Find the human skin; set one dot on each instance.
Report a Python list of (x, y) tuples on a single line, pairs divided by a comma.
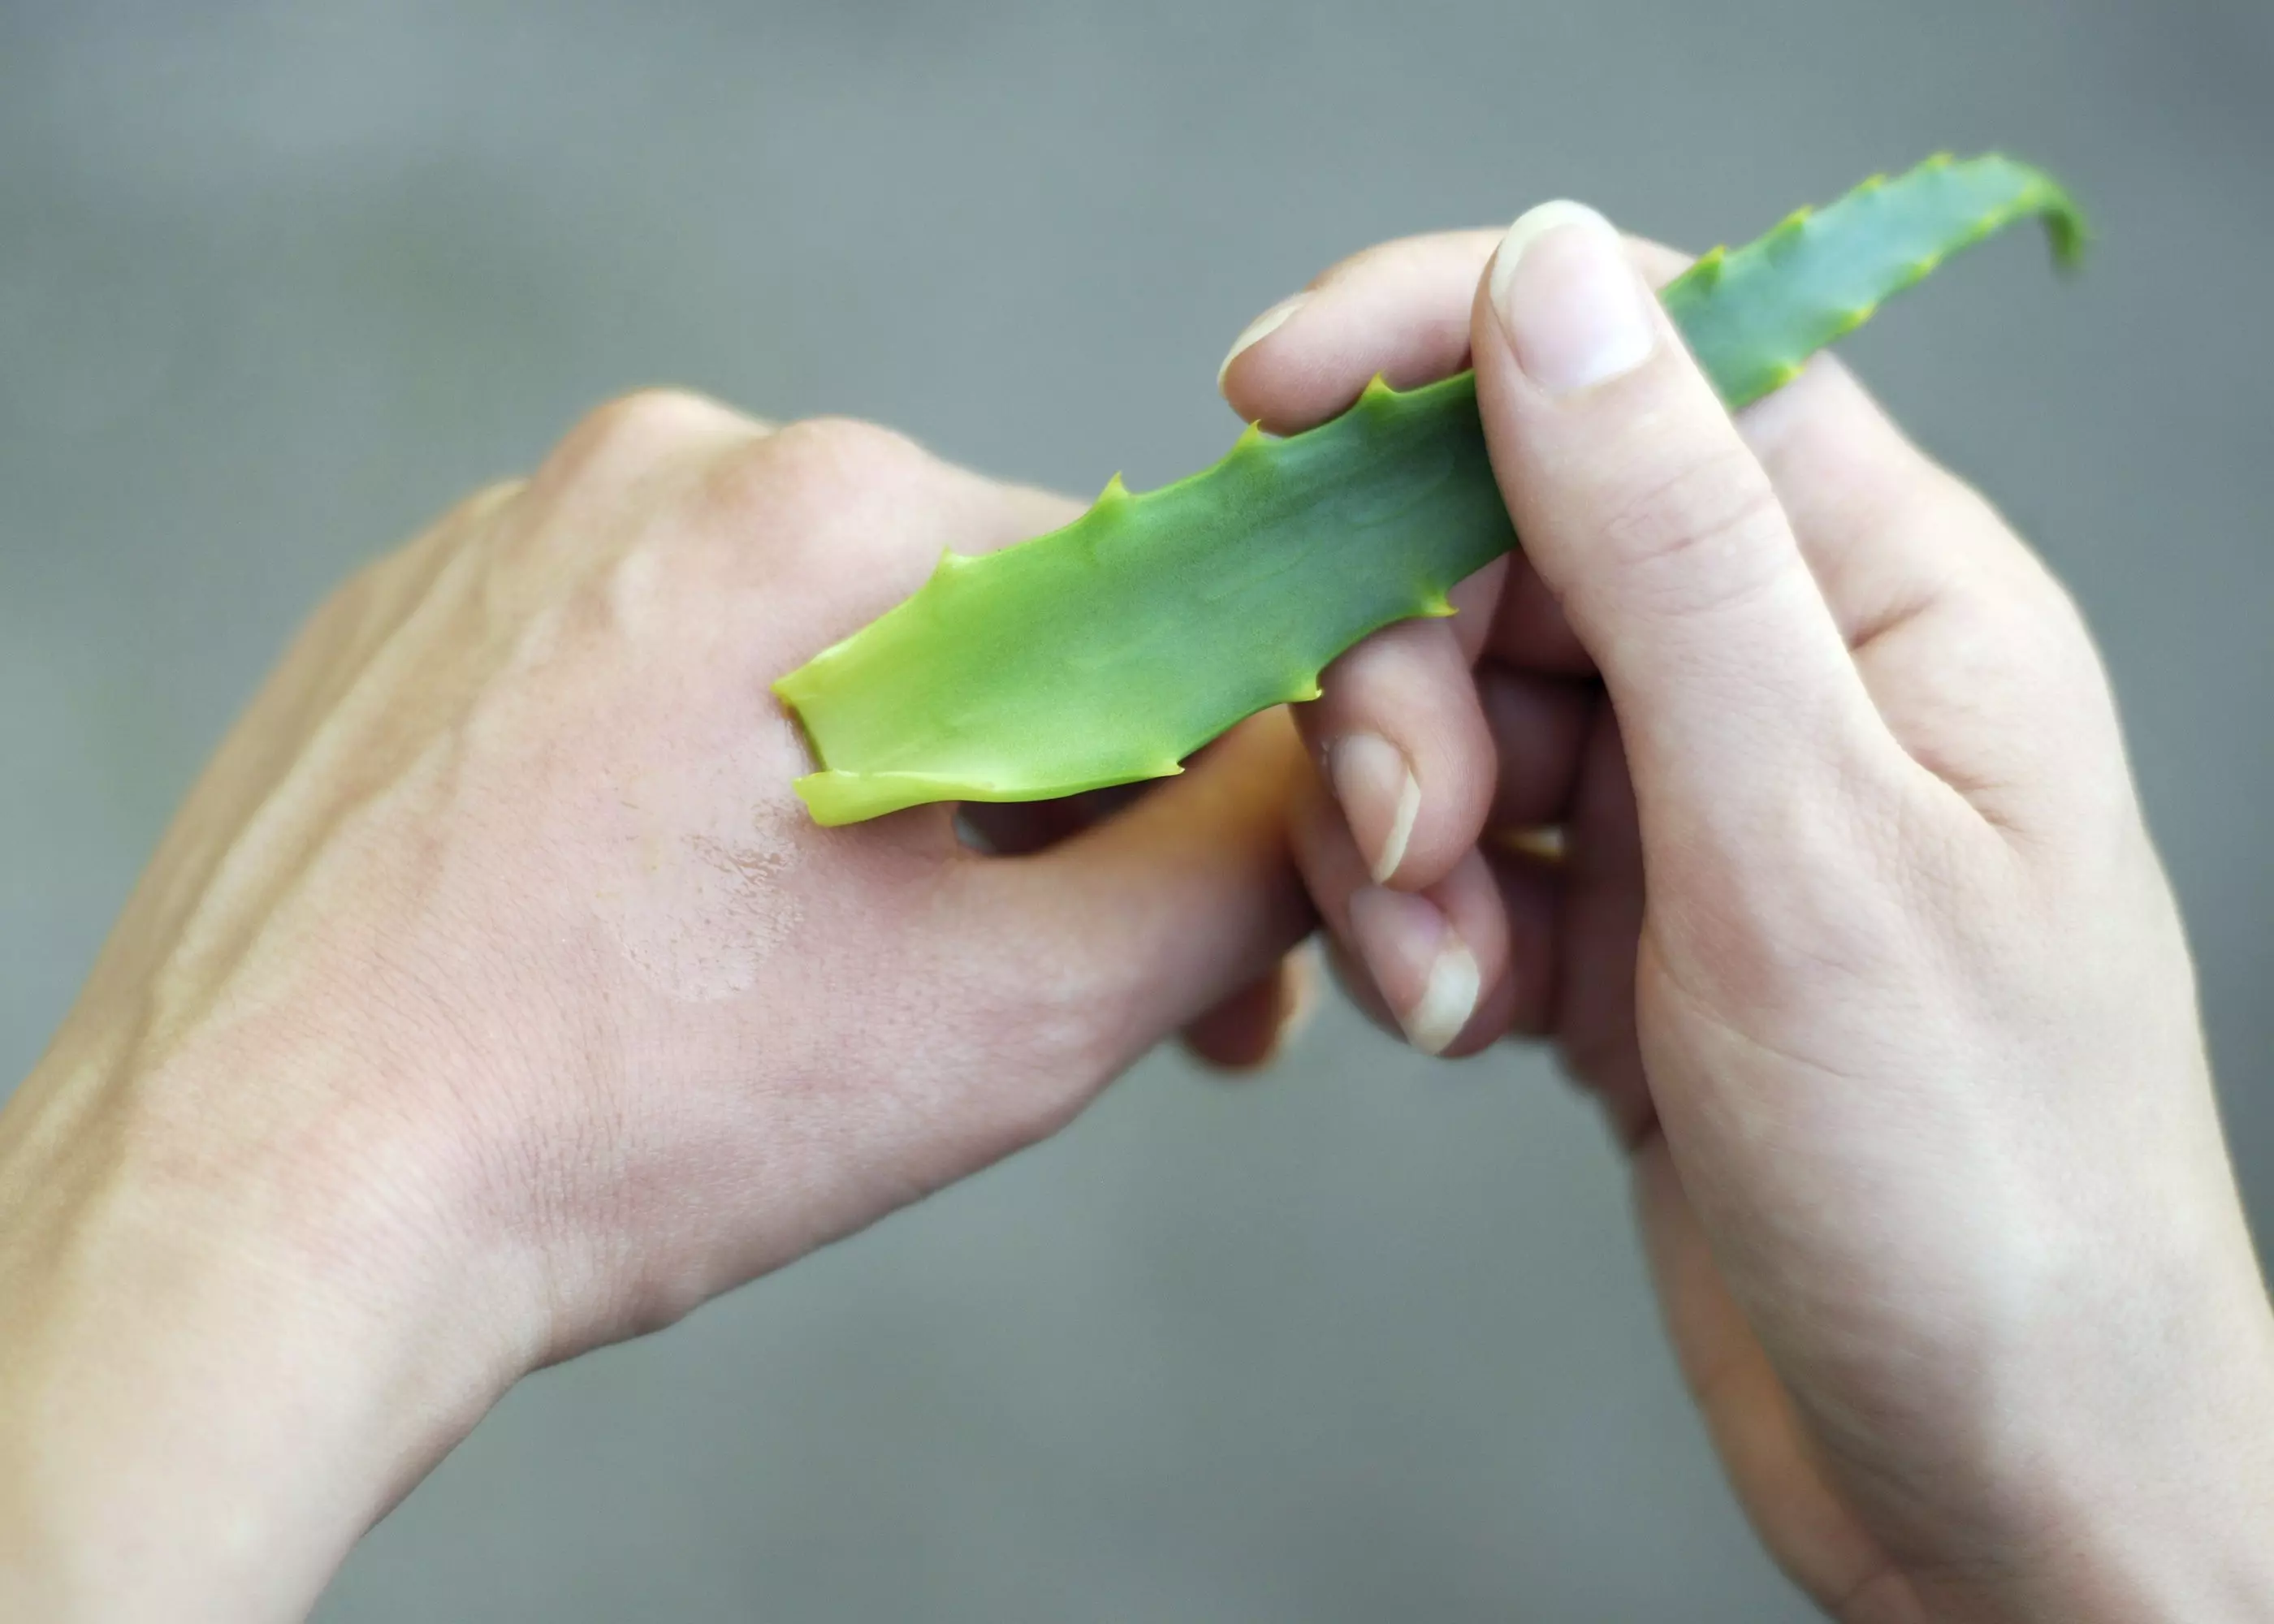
[(492, 998), (1856, 932)]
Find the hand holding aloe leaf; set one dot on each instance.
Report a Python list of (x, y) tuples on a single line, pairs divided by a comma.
[(1855, 934)]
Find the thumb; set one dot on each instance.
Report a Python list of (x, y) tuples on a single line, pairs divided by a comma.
[(1656, 527), (1131, 929)]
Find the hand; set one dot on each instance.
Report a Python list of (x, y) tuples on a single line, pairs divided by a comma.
[(1855, 930), (493, 998)]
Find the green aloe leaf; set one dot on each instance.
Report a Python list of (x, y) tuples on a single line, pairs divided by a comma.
[(1109, 650)]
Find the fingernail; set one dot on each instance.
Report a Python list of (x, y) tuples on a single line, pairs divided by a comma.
[(1256, 331), (1379, 796), (1572, 305), (1425, 971)]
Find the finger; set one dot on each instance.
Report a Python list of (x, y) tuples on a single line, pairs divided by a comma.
[(1243, 1032), (1253, 1027), (1537, 726), (1130, 930), (1805, 1525), (1658, 529), (1437, 958), (1531, 896), (1598, 927), (1406, 750), (1357, 982), (1528, 628), (1399, 309)]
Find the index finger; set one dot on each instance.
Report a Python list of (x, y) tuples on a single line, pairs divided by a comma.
[(1399, 309)]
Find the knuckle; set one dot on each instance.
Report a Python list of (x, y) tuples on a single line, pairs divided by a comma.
[(623, 438), (838, 452), (2053, 611), (2029, 624), (472, 517), (379, 594), (800, 486)]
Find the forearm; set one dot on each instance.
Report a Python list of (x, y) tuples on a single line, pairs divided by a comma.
[(212, 1379)]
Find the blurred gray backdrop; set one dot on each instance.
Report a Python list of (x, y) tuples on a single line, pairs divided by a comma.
[(1367, 1340)]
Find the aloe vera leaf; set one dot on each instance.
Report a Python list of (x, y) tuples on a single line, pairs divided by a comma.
[(1108, 650)]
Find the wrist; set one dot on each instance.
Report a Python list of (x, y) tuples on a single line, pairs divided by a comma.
[(223, 1360), (2162, 1508)]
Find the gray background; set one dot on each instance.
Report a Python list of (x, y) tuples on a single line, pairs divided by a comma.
[(1365, 1341)]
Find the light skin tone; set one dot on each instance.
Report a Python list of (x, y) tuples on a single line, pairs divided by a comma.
[(1857, 933), (491, 1000)]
